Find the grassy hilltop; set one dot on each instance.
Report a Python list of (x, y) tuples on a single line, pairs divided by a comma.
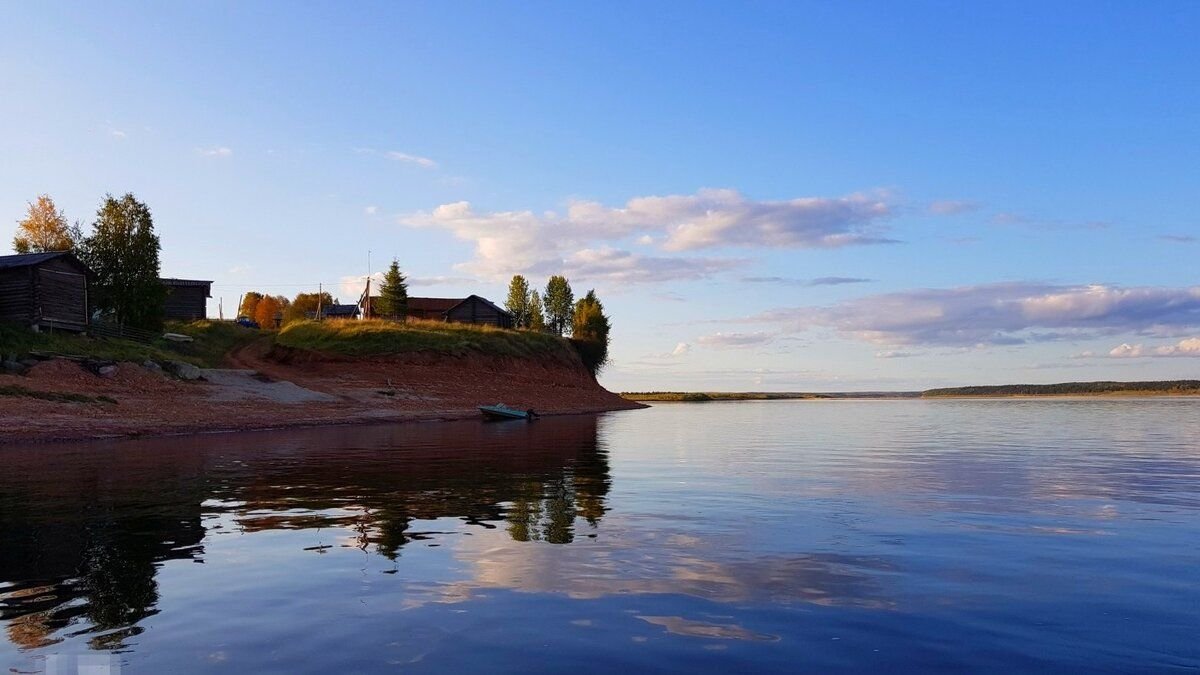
[(212, 340), (378, 338)]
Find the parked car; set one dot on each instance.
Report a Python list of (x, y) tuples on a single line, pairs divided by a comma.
[(246, 322)]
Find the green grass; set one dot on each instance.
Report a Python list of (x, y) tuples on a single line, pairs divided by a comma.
[(55, 396), (378, 338), (212, 340)]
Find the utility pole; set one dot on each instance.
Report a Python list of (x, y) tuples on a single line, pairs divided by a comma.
[(320, 292)]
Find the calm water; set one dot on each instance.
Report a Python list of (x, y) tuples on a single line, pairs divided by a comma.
[(762, 536)]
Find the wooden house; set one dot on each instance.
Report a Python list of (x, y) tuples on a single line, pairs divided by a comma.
[(339, 312), (431, 309), (472, 309), (187, 299), (479, 310), (45, 291)]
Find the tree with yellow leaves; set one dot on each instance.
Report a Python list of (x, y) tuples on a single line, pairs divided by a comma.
[(45, 229), (269, 310)]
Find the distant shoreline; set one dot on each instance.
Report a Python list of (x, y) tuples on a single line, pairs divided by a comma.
[(1181, 388)]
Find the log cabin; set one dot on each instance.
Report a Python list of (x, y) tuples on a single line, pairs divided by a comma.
[(187, 299), (479, 310), (46, 291), (472, 309)]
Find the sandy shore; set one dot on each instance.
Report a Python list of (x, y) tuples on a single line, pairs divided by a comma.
[(283, 388)]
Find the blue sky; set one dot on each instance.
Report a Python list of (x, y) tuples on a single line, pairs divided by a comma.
[(785, 196)]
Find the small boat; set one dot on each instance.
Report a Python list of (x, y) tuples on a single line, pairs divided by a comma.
[(503, 412)]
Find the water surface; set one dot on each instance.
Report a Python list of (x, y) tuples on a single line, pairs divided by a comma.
[(818, 536)]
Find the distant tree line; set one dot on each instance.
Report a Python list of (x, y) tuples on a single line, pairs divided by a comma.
[(556, 311), (1072, 388), (122, 249)]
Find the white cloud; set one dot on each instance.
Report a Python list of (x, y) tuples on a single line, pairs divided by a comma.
[(581, 240), (681, 349), (1188, 348), (623, 267), (998, 314), (370, 210), (350, 288), (220, 151), (1178, 238), (397, 156), (420, 161), (893, 354), (735, 340), (117, 133), (440, 281)]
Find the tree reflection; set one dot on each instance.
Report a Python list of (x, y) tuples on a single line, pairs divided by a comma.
[(86, 528)]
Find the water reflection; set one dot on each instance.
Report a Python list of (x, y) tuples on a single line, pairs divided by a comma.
[(85, 531), (848, 536)]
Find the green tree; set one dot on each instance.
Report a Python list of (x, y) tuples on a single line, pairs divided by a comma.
[(560, 304), (590, 330), (518, 301), (123, 252), (537, 318), (249, 304), (45, 229), (393, 294), (305, 304)]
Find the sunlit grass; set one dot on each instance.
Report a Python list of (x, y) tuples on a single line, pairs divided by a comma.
[(377, 337), (211, 341)]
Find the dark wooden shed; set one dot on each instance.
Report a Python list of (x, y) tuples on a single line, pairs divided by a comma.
[(431, 309), (475, 309), (187, 299), (45, 290)]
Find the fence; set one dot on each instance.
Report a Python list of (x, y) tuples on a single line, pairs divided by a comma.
[(116, 331)]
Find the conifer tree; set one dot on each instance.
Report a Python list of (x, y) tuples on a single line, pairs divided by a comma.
[(393, 293)]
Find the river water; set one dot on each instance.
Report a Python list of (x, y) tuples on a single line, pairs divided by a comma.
[(808, 536)]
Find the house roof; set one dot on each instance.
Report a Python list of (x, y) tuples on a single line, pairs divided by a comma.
[(439, 305), (484, 301), (339, 310), (29, 259), (170, 281)]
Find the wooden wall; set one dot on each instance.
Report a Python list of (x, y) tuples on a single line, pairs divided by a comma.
[(475, 310), (186, 303), (16, 294), (61, 295)]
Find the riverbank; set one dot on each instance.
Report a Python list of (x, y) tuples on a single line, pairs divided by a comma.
[(710, 396), (263, 384)]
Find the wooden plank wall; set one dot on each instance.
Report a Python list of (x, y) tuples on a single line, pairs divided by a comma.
[(16, 294), (186, 303), (61, 296), (475, 310)]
